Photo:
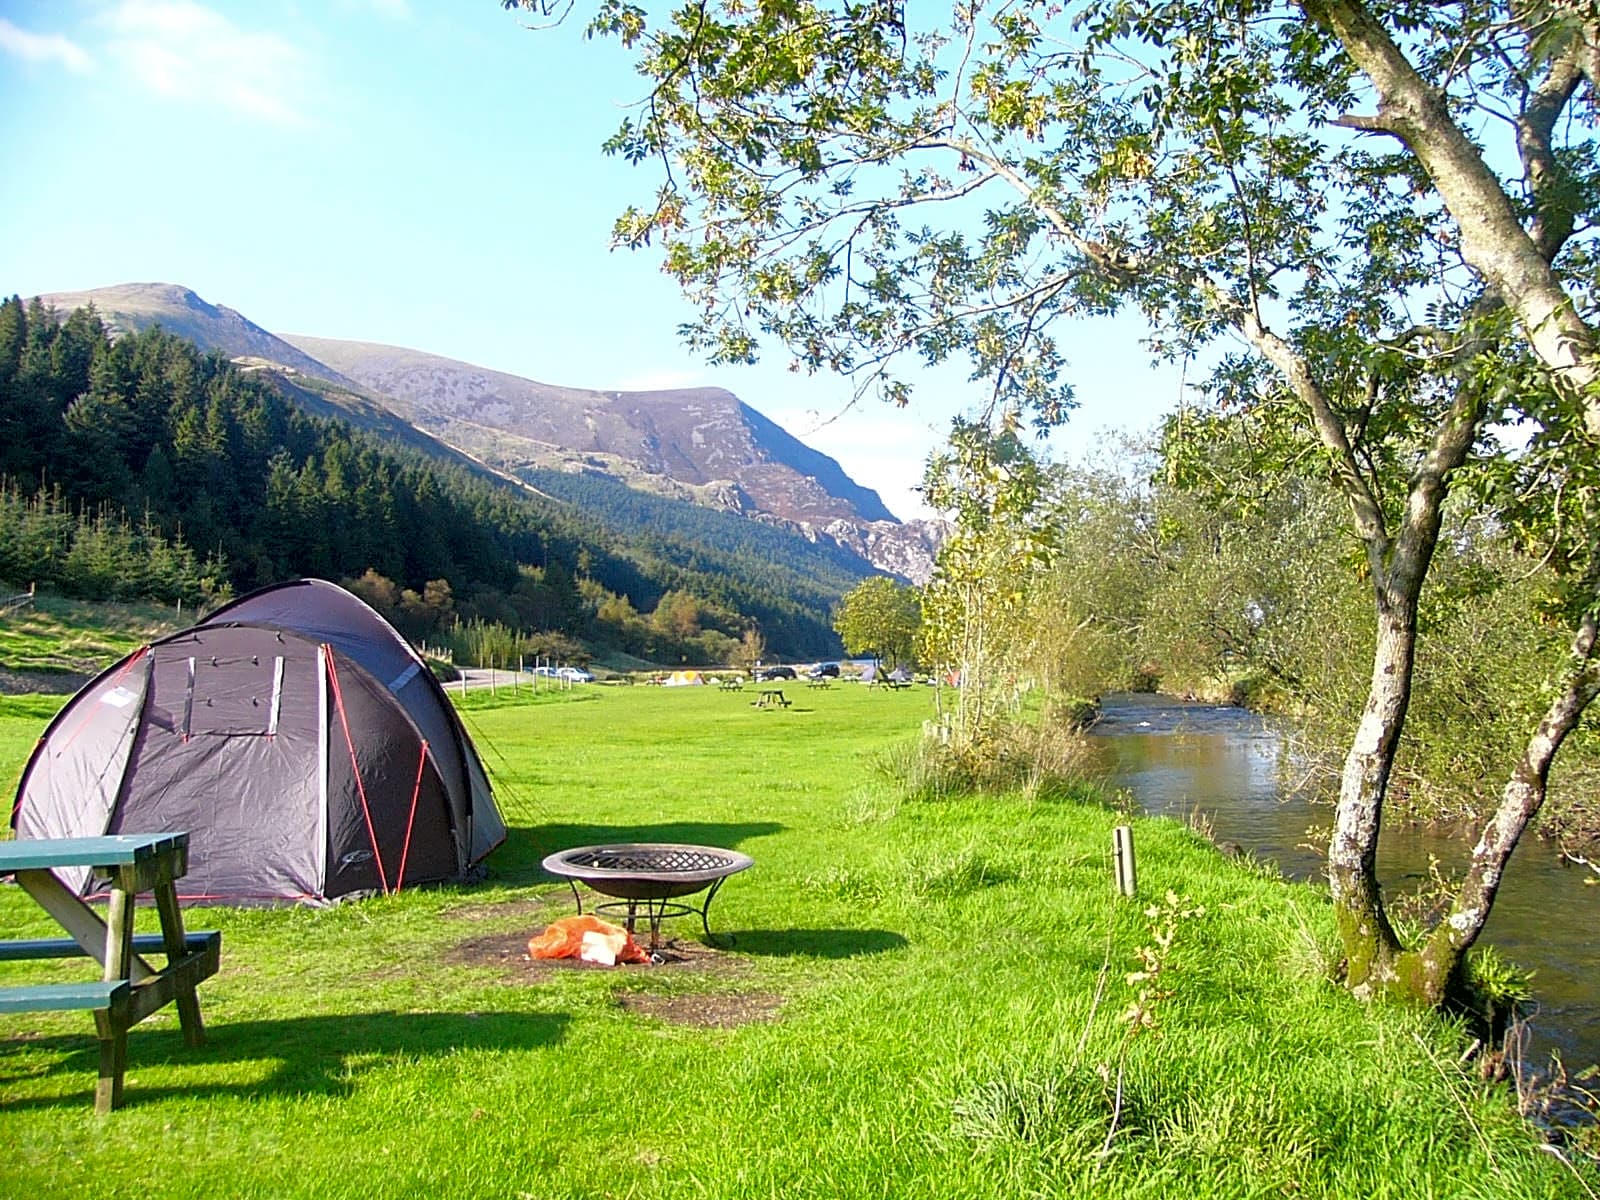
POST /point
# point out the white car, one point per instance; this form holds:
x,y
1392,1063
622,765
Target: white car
x,y
575,675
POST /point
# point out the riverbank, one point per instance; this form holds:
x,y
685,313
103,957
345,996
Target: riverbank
x,y
1230,772
920,1000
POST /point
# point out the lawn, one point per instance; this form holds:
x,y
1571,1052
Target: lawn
x,y
921,1000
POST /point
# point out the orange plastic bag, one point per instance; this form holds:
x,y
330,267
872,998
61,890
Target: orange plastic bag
x,y
589,938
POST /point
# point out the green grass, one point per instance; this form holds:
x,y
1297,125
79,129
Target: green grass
x,y
948,978
55,635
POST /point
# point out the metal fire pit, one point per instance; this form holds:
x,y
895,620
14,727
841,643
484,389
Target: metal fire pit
x,y
649,877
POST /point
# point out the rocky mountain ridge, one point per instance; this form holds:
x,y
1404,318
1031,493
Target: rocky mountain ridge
x,y
702,445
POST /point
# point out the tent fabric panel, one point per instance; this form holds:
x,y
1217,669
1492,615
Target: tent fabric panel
x,y
71,783
427,706
372,793
476,799
325,612
328,613
488,827
247,799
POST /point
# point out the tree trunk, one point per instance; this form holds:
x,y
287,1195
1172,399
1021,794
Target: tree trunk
x,y
1442,956
1371,947
1375,962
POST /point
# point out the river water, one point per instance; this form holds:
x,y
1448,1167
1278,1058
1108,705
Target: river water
x,y
1178,759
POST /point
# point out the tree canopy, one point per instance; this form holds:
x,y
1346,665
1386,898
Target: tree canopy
x,y
880,617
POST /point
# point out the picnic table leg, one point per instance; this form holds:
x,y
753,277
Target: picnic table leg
x,y
111,1025
194,1030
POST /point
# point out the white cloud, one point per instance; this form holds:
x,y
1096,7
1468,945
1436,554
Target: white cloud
x,y
184,50
43,47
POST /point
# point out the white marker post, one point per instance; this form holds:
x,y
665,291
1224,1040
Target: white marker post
x,y
1122,858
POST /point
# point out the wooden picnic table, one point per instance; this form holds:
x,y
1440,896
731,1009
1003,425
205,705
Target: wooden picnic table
x,y
770,698
129,988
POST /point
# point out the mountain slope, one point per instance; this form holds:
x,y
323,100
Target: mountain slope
x,y
697,437
699,445
305,382
130,307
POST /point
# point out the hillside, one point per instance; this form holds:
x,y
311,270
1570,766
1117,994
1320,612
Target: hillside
x,y
697,437
130,307
702,446
175,474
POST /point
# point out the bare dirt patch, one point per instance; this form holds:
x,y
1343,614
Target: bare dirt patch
x,y
508,953
721,1010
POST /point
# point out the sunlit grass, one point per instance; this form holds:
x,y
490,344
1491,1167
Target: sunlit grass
x,y
941,987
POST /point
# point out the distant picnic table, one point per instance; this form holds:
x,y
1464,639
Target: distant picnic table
x,y
770,698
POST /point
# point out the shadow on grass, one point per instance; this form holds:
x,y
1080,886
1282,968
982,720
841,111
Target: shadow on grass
x,y
323,1055
518,858
816,943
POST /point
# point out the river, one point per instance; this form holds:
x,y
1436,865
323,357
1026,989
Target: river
x,y
1177,759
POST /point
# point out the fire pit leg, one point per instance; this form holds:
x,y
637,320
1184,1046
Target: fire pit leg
x,y
577,898
705,911
654,911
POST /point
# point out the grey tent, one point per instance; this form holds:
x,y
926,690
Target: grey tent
x,y
307,750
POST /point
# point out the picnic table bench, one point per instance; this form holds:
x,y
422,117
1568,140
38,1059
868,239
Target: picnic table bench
x,y
770,698
129,989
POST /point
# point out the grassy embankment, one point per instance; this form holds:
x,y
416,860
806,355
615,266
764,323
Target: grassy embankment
x,y
924,1000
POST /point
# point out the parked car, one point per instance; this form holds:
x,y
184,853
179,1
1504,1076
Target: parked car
x,y
778,673
575,675
828,670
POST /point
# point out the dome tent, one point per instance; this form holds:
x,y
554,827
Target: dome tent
x,y
297,738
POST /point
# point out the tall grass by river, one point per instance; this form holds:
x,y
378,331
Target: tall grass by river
x,y
923,1000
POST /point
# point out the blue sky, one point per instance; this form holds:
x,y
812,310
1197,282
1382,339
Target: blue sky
x,y
424,174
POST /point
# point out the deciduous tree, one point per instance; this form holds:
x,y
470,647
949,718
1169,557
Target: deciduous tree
x,y
879,617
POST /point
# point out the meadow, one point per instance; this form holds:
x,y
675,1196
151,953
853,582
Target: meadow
x,y
921,999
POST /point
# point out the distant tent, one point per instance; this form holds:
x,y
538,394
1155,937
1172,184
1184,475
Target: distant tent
x,y
307,750
900,675
683,679
869,673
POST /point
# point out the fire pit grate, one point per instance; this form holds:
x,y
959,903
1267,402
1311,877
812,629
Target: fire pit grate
x,y
649,875
667,860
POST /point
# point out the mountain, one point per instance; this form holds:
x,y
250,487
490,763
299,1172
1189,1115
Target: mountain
x,y
704,445
129,307
305,382
700,445
694,437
